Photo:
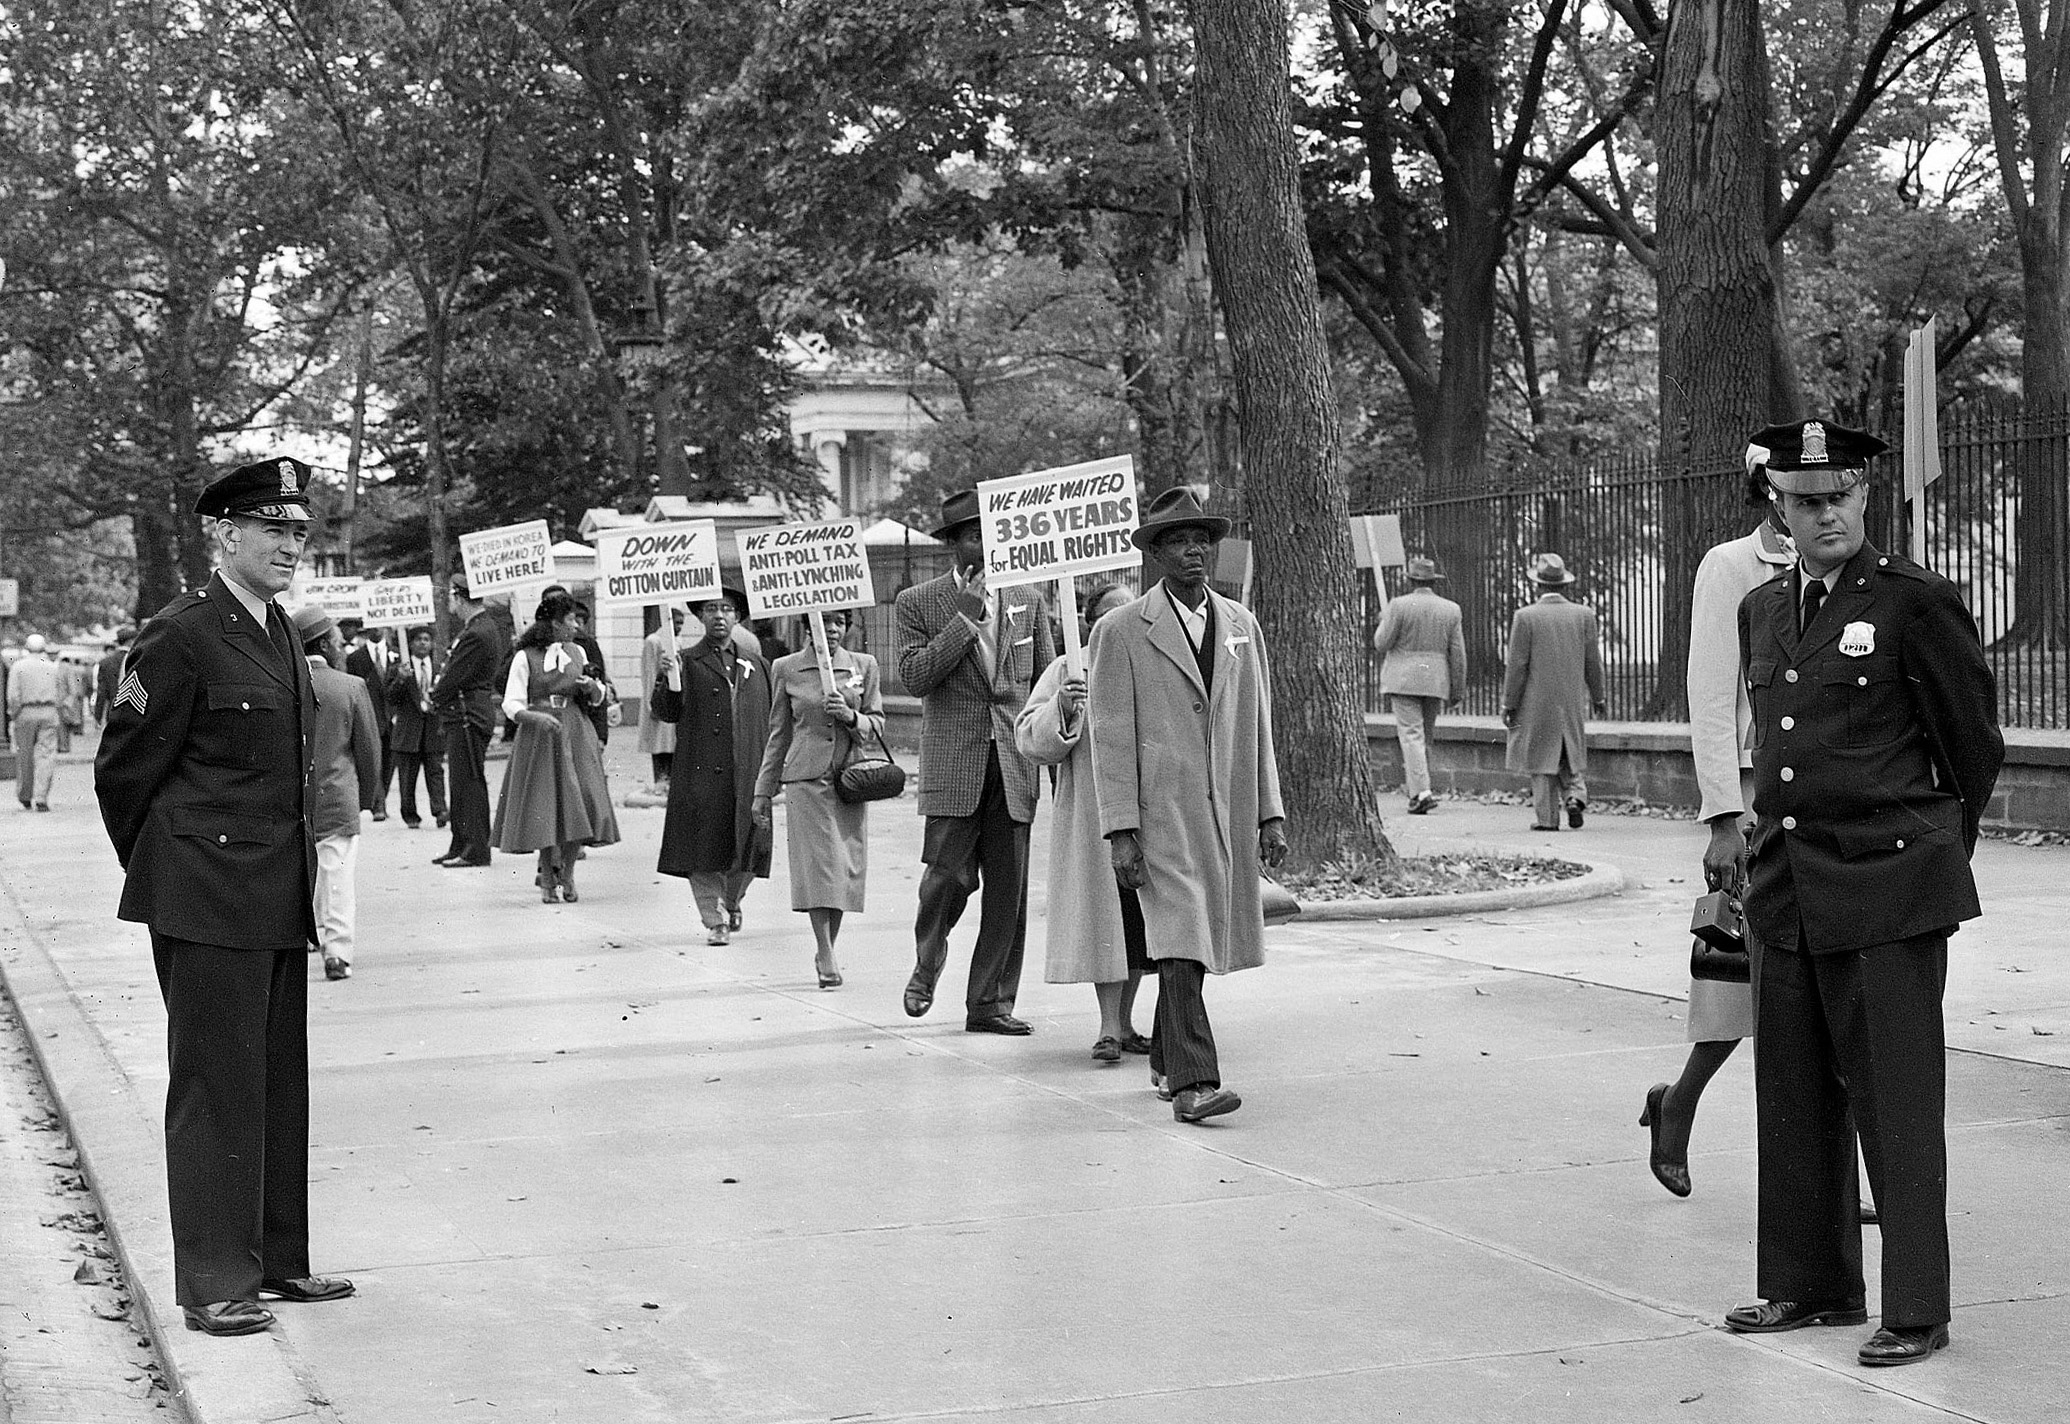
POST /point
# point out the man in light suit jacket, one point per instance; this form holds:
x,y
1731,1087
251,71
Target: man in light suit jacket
x,y
1554,676
1422,668
971,656
345,760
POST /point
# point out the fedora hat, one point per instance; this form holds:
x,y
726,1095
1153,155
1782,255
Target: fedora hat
x,y
1423,569
1174,508
958,509
1550,569
311,622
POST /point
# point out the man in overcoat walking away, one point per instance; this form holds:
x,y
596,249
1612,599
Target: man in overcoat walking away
x,y
1422,646
1553,677
1876,747
718,696
1188,785
971,655
204,785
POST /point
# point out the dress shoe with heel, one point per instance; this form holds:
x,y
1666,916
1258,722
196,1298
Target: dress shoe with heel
x,y
918,1001
1005,1024
1198,1104
1772,1316
1108,1049
228,1317
1575,814
1902,1344
1670,1172
307,1289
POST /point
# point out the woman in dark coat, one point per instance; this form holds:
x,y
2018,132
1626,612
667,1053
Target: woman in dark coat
x,y
555,799
718,695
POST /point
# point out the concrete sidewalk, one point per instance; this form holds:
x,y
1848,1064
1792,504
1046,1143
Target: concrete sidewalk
x,y
584,1168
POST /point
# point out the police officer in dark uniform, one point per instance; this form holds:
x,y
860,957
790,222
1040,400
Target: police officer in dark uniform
x,y
204,785
1876,745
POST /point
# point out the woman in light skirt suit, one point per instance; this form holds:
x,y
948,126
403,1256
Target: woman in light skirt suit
x,y
1095,931
555,799
812,735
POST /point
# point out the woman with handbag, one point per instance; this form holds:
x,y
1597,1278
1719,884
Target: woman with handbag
x,y
555,799
1095,932
813,735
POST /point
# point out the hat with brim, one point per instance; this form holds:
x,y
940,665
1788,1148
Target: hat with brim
x,y
1422,570
958,509
1550,570
732,595
1807,457
312,622
1176,508
267,489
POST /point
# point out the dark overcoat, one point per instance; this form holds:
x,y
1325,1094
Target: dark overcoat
x,y
1876,746
203,778
721,731
468,689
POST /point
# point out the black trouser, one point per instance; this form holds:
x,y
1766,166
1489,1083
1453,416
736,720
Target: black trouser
x,y
1854,1041
407,765
1182,1042
959,851
467,752
236,1116
388,764
662,762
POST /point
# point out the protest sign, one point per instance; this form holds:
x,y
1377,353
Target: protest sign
x,y
1057,524
396,603
504,559
803,568
1376,544
339,597
672,562
812,569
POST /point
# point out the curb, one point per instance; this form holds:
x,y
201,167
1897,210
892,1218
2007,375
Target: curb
x,y
1598,881
248,1380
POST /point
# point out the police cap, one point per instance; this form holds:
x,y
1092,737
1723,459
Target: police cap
x,y
266,489
1813,456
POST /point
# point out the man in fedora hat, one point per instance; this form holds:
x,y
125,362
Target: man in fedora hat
x,y
1422,649
345,761
718,695
1188,785
971,654
1553,678
204,785
1876,747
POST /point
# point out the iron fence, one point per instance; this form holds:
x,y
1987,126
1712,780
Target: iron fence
x,y
1996,524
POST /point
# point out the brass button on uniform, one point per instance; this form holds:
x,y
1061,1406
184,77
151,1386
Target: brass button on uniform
x,y
1861,682
246,706
222,840
1789,773
1790,675
1901,845
1789,823
1788,723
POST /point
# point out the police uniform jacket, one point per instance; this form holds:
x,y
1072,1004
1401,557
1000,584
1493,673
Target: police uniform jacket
x,y
203,778
1876,745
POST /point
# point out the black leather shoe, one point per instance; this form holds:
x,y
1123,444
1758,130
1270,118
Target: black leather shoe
x,y
998,1023
1574,813
1771,1316
228,1317
308,1288
918,1001
1193,1104
1902,1344
460,863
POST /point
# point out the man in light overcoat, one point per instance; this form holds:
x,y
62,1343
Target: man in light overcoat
x,y
1553,677
1423,668
1188,786
971,655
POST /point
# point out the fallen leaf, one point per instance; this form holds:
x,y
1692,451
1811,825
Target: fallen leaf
x,y
611,1369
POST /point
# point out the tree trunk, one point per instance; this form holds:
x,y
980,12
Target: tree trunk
x,y
437,479
1258,251
1724,365
362,375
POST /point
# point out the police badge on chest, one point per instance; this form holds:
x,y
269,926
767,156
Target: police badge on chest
x,y
1858,640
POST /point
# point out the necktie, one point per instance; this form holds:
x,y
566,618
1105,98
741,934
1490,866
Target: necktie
x,y
276,624
424,684
1814,595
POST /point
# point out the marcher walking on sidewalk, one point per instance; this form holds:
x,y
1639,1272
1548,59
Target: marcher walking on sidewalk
x,y
345,761
1095,929
718,696
35,687
971,655
415,738
1553,678
1188,786
1422,649
466,694
813,734
555,798
1876,746
204,785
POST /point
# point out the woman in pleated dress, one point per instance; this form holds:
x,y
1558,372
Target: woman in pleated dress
x,y
555,798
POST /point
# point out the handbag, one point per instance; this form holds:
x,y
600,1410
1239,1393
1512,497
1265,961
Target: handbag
x,y
869,778
1718,952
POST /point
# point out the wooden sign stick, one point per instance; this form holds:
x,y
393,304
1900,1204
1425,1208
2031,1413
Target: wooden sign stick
x,y
1067,614
820,651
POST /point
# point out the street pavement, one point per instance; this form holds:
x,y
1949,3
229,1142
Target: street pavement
x,y
585,1168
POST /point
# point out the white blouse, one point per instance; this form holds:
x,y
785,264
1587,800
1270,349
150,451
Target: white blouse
x,y
518,685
